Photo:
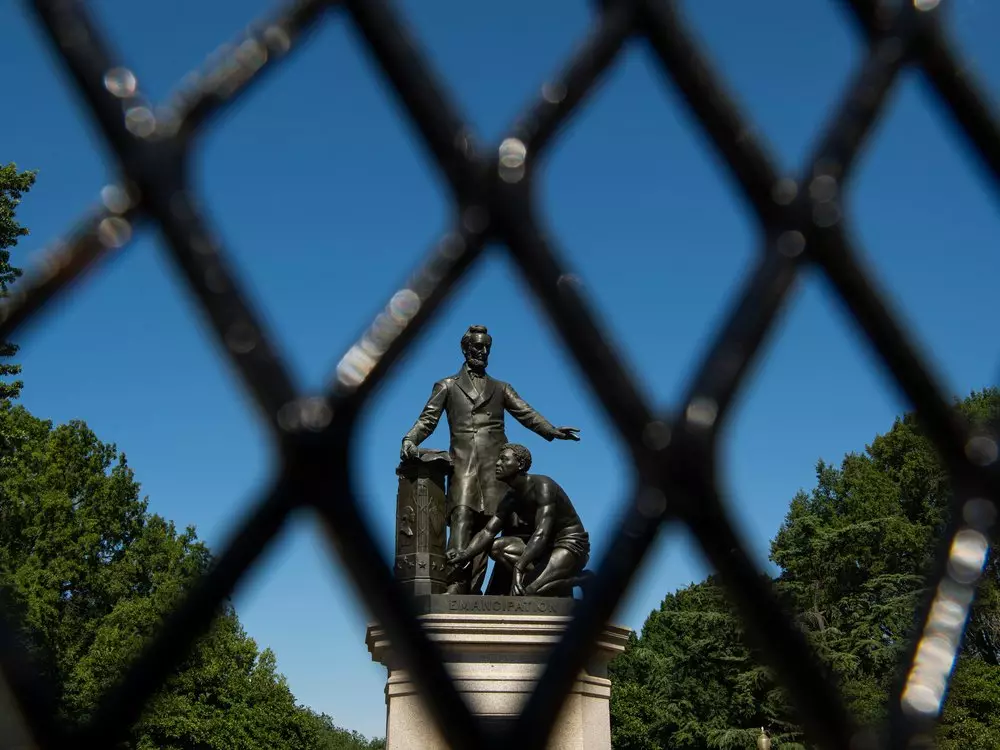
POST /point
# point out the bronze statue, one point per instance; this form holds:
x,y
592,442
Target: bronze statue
x,y
552,560
475,404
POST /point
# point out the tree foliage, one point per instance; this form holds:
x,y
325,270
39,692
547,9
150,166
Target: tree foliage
x,y
13,185
852,555
690,681
91,573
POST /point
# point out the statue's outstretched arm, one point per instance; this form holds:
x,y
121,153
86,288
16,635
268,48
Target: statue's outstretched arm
x,y
522,411
526,415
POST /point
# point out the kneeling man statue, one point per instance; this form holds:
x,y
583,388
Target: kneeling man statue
x,y
551,562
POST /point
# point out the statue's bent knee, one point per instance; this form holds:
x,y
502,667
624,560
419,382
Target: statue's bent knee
x,y
502,548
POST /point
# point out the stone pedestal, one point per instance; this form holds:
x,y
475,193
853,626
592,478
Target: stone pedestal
x,y
496,649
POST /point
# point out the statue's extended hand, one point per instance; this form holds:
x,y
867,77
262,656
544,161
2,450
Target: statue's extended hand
x,y
408,450
567,433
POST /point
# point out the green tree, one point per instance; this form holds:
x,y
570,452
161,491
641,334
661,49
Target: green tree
x,y
852,553
322,734
13,185
91,573
971,719
690,681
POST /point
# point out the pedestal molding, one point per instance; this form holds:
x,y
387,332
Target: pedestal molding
x,y
495,661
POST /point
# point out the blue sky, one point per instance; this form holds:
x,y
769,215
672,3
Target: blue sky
x,y
325,201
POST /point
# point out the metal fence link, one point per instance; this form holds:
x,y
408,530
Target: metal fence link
x,y
802,220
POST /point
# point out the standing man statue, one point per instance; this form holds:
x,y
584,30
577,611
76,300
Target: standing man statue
x,y
551,562
475,404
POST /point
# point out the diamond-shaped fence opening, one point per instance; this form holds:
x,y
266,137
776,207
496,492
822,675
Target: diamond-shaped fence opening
x,y
801,221
662,172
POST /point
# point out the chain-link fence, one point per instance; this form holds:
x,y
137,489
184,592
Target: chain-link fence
x,y
801,221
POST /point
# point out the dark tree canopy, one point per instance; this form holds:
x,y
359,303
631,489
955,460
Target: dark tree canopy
x,y
689,680
852,555
91,573
13,185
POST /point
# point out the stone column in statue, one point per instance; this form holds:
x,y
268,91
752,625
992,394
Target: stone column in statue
x,y
420,522
475,404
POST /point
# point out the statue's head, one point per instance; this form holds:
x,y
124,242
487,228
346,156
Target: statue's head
x,y
476,344
514,459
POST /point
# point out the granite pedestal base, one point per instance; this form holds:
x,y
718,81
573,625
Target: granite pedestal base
x,y
496,648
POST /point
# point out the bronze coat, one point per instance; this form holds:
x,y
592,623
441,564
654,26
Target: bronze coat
x,y
476,424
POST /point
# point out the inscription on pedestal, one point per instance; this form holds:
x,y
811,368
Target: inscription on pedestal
x,y
494,605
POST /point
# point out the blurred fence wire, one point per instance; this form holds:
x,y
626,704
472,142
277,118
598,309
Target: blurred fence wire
x,y
801,221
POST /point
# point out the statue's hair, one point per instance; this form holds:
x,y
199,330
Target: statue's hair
x,y
522,454
473,330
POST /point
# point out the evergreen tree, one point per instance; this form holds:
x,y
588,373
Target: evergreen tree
x,y
853,553
13,185
690,681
